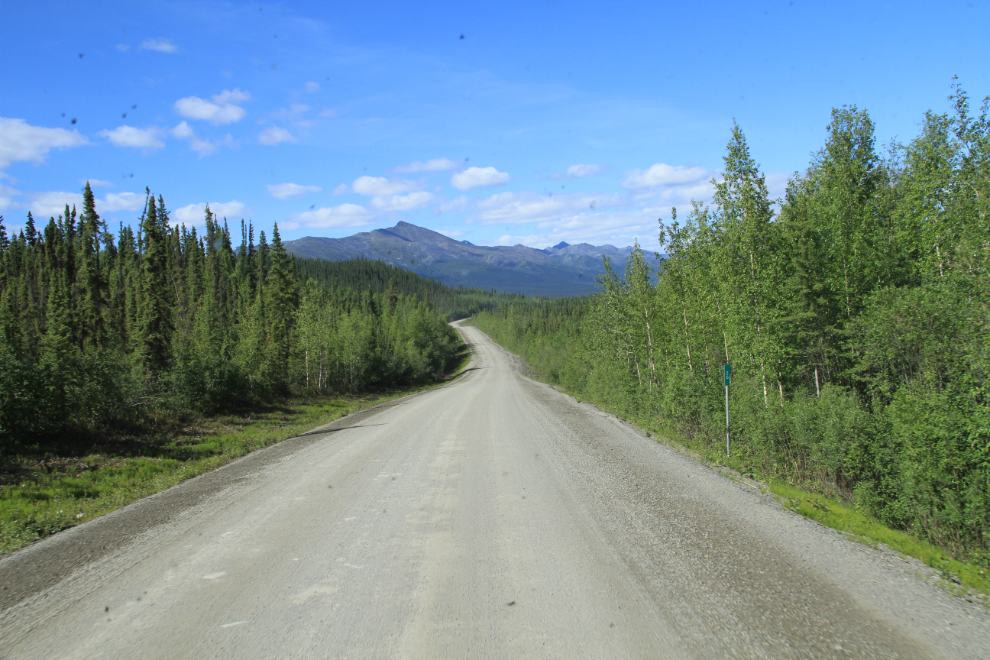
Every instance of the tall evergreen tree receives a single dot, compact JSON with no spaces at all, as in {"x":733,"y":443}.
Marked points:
{"x":154,"y":322}
{"x":91,"y":275}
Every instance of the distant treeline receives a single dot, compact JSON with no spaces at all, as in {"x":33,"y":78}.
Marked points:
{"x":855,"y":315}
{"x":377,"y":276}
{"x":100,"y":332}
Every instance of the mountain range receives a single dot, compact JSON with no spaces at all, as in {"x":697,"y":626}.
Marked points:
{"x":558,"y":271}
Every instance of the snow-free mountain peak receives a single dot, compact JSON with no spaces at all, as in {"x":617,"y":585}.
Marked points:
{"x":564,"y":270}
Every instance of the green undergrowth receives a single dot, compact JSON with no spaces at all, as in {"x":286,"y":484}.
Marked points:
{"x":835,"y":512}
{"x":839,"y":515}
{"x":42,"y":493}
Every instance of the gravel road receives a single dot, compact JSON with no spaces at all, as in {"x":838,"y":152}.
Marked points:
{"x":491,"y":518}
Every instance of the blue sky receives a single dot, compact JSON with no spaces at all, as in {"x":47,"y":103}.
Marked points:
{"x":547,"y":121}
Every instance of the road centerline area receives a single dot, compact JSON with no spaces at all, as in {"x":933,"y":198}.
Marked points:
{"x":494,"y":518}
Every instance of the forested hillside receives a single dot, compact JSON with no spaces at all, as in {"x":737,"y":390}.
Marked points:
{"x":380,"y":277}
{"x":561,"y":270}
{"x":854,"y":314}
{"x":100,"y":331}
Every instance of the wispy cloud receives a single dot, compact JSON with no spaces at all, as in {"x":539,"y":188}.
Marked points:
{"x":408,"y":202}
{"x":126,"y":201}
{"x":137,"y":138}
{"x":289,"y":190}
{"x":7,"y":195}
{"x":274,"y":135}
{"x":159,"y":45}
{"x":345,"y":215}
{"x":378,"y":186}
{"x":662,"y":174}
{"x":97,"y":183}
{"x":474,"y":177}
{"x":223,"y":109}
{"x":577,"y":171}
{"x":432,"y":165}
{"x":184,"y":131}
{"x":525,"y":207}
{"x":19,"y":141}
{"x":50,"y":204}
{"x":294,"y":114}
{"x":195,"y":214}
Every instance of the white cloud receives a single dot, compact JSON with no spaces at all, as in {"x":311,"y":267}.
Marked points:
{"x":50,"y":204}
{"x":160,"y":45}
{"x":274,"y":135}
{"x":128,"y":136}
{"x":408,"y":202}
{"x":222,"y":110}
{"x":577,"y":171}
{"x":473,"y":177}
{"x":287,"y":190}
{"x":126,"y":201}
{"x":97,"y":183}
{"x":341,"y":189}
{"x":123,"y":48}
{"x":432,"y":165}
{"x":345,"y":215}
{"x":379,"y":186}
{"x":21,"y":141}
{"x":231,"y":96}
{"x":662,"y":174}
{"x":524,"y":207}
{"x":231,"y":209}
{"x":7,"y":195}
{"x":312,"y":86}
{"x":195,"y":214}
{"x":184,"y":131}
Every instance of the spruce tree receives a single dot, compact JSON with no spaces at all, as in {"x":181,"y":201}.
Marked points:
{"x":154,"y":331}
{"x":30,"y":233}
{"x":282,"y":296}
{"x":93,"y":295}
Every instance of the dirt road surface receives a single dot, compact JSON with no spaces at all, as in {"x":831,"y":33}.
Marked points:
{"x":491,"y":518}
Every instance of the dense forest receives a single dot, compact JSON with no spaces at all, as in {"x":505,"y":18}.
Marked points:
{"x":853,"y":312}
{"x":377,"y":276}
{"x":100,"y":331}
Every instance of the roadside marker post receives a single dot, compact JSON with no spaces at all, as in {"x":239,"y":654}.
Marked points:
{"x":728,"y":373}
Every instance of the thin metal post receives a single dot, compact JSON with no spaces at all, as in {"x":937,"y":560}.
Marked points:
{"x":727,"y":452}
{"x":728,"y":372}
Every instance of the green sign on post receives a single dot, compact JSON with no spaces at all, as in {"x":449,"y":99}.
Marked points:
{"x":728,"y":372}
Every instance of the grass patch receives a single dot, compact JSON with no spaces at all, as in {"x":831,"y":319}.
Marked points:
{"x":44,"y":492}
{"x":838,"y":515}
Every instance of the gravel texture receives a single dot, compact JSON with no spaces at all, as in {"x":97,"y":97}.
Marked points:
{"x":493,"y":517}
